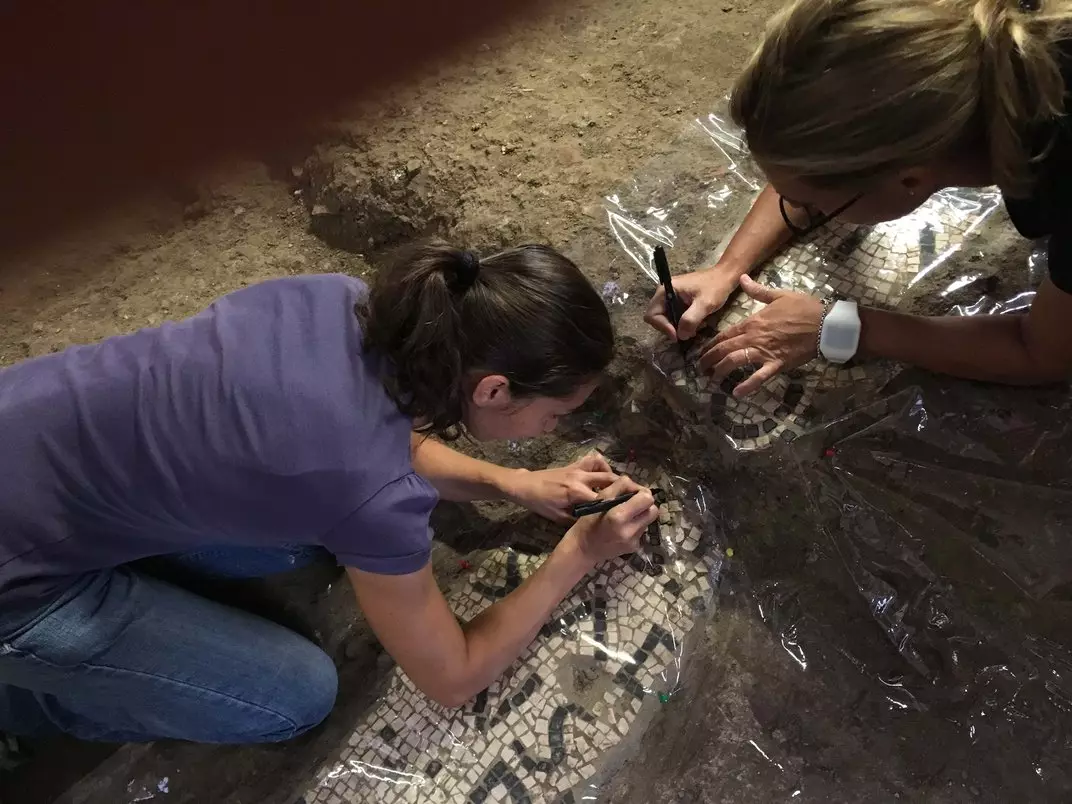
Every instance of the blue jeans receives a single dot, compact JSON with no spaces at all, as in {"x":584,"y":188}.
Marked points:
{"x":125,"y":657}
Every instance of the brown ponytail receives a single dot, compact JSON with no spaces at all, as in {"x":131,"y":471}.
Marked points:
{"x":840,"y":90}
{"x":441,"y":313}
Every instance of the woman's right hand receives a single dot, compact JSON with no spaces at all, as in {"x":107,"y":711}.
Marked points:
{"x":758,"y":238}
{"x":451,"y":663}
{"x":704,"y":292}
{"x":604,"y":536}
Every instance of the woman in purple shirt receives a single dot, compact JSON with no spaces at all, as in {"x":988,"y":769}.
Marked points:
{"x":292,"y":413}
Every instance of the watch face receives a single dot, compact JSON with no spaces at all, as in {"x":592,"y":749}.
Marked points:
{"x":840,"y":337}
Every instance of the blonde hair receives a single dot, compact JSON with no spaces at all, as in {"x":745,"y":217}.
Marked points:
{"x":842,"y":89}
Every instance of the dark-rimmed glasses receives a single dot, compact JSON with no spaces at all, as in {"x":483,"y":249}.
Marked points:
{"x":816,"y":220}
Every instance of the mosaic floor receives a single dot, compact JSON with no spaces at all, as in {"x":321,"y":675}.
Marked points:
{"x":872,"y":265}
{"x":540,"y":732}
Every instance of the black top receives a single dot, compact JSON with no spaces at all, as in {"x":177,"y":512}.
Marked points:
{"x":1049,"y":209}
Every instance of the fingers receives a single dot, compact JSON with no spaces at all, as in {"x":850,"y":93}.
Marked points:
{"x":630,"y":531}
{"x":580,"y":493}
{"x":621,"y":485}
{"x":719,"y":352}
{"x":560,"y":517}
{"x":586,"y":486}
{"x":753,"y":383}
{"x":692,"y":319}
{"x":730,"y":363}
{"x":594,"y":462}
{"x":731,"y":332}
{"x":637,"y":508}
{"x":761,"y":293}
{"x":623,"y":525}
{"x":731,"y":355}
{"x":597,"y":480}
{"x":655,"y":315}
{"x":688,"y":290}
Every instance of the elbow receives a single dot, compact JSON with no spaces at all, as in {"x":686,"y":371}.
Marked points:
{"x":450,"y":699}
{"x":1049,"y":372}
{"x":449,"y":696}
{"x":450,"y":689}
{"x":1043,"y":378}
{"x":1041,"y":372}
{"x":1042,"y":362}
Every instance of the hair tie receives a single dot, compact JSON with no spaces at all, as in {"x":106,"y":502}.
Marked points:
{"x":468,"y":270}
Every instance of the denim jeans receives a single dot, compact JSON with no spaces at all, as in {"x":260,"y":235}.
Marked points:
{"x":126,"y":657}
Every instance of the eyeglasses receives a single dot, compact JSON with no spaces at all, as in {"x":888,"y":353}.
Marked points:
{"x":816,"y":220}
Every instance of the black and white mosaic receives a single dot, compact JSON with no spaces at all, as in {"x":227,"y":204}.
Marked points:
{"x":872,"y":265}
{"x":541,"y":732}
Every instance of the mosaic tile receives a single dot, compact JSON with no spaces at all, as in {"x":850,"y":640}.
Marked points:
{"x":870,"y":264}
{"x":527,"y":738}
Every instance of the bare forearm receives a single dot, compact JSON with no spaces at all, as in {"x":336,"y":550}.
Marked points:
{"x":452,"y":662}
{"x":990,"y":348}
{"x":498,"y":635}
{"x":760,"y":236}
{"x":458,"y":477}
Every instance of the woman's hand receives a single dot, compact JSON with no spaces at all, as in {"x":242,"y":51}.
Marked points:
{"x":601,"y":537}
{"x":704,"y":293}
{"x":450,"y":662}
{"x":552,"y":493}
{"x":781,"y":336}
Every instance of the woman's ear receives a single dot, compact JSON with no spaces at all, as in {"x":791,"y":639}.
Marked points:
{"x":493,"y":392}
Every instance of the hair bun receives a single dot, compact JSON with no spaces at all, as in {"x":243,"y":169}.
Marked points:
{"x":466,"y":271}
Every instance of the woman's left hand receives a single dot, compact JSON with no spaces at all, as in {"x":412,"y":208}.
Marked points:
{"x":781,"y":336}
{"x":552,"y":493}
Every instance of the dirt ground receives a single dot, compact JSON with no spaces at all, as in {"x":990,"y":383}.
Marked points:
{"x":518,"y":141}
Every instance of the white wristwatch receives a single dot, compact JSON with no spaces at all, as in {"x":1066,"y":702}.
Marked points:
{"x":839,"y":336}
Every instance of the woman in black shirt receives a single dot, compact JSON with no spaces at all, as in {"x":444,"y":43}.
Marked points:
{"x":861,"y":109}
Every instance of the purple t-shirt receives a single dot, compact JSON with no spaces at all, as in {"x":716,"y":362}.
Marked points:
{"x":260,"y":421}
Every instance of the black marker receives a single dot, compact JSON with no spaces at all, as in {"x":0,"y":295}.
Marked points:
{"x":673,"y":303}
{"x":602,"y":506}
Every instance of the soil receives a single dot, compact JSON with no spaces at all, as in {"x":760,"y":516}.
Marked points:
{"x":523,"y":140}
{"x":518,"y":142}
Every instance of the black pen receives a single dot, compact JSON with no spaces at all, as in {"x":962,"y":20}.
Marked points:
{"x":673,"y":303}
{"x":602,"y":506}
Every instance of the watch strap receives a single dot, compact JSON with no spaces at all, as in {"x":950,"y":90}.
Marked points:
{"x":828,"y":304}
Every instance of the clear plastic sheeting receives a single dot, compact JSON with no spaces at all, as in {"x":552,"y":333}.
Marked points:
{"x":148,"y":789}
{"x":709,"y":172}
{"x":873,"y":264}
{"x":613,"y":294}
{"x":927,"y":546}
{"x":904,"y":536}
{"x":947,"y":511}
{"x":987,"y":301}
{"x":610,"y":654}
